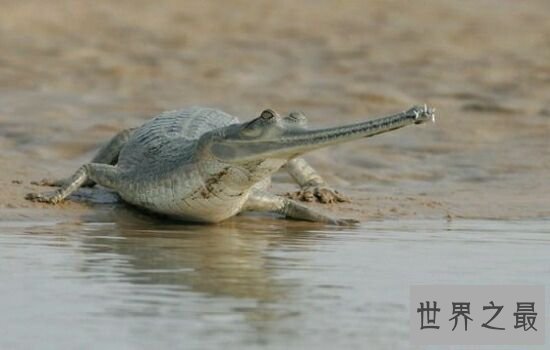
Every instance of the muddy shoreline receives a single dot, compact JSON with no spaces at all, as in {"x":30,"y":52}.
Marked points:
{"x":74,"y":73}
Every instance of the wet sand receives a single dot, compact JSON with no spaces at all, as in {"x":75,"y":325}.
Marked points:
{"x":72,"y":73}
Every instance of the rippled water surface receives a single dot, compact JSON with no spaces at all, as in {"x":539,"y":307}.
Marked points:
{"x":119,"y":281}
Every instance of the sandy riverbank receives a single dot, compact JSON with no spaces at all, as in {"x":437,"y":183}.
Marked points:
{"x":72,"y":73}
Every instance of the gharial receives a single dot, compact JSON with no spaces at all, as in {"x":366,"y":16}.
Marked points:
{"x":202,"y":165}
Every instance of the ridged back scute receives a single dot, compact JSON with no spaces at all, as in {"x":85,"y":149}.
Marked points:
{"x":170,"y":138}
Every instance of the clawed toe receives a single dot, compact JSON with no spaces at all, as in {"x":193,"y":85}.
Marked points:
{"x":48,"y":197}
{"x":306,"y":196}
{"x":318,"y":194}
{"x":327,"y":195}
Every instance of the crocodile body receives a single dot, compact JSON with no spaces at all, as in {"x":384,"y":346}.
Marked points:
{"x":159,"y":169}
{"x":203,"y":165}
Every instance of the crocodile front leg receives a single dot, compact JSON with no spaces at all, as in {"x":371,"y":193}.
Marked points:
{"x":108,"y":154}
{"x":102,"y":174}
{"x":312,"y":186}
{"x":267,"y":202}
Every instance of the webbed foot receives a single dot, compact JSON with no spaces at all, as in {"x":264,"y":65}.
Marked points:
{"x":321,"y":194}
{"x":51,"y":197}
{"x":88,"y":173}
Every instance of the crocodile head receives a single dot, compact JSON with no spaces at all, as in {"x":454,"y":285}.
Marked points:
{"x":271,"y":136}
{"x":258,"y":139}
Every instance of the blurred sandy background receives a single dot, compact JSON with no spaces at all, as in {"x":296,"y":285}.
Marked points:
{"x":72,"y":73}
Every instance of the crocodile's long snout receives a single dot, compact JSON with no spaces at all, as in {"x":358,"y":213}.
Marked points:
{"x":296,"y":142}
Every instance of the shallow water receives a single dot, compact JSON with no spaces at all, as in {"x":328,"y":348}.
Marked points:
{"x":116,"y":280}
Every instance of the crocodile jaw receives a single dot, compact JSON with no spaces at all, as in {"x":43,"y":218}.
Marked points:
{"x":294,"y":142}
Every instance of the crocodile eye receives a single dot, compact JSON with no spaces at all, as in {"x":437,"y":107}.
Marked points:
{"x":259,"y":125}
{"x":297,"y":119}
{"x":268,"y":115}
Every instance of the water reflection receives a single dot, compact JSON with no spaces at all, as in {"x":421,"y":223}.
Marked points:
{"x":136,"y":281}
{"x":237,"y":259}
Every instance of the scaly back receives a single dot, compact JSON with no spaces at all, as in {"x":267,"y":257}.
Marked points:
{"x":169,"y":139}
